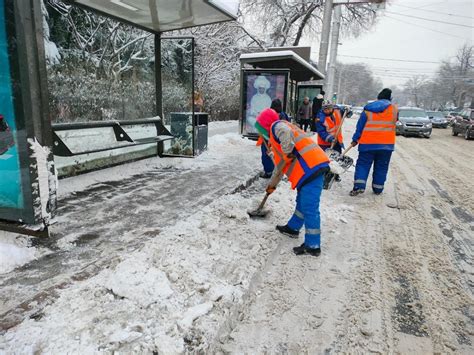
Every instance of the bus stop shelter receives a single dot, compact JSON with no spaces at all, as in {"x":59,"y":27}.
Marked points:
{"x":27,"y":171}
{"x":269,"y":75}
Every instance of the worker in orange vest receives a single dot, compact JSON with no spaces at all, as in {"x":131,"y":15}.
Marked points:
{"x":327,"y":124}
{"x":375,"y":135}
{"x":297,"y":155}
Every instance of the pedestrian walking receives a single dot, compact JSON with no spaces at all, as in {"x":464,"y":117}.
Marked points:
{"x":375,"y":135}
{"x":304,"y":114}
{"x":304,"y":163}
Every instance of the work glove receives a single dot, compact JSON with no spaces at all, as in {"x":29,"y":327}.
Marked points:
{"x":330,"y":139}
{"x":290,"y":156}
{"x":270,"y":189}
{"x":353,"y":144}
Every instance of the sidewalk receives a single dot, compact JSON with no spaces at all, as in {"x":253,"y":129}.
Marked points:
{"x":112,"y":212}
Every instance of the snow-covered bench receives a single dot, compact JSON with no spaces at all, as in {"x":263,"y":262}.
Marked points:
{"x":70,"y":139}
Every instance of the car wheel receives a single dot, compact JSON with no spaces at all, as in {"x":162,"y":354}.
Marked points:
{"x":466,"y":135}
{"x":454,"y":132}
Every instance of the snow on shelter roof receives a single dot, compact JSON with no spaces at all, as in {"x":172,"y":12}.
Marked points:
{"x":164,"y":15}
{"x":300,"y":69}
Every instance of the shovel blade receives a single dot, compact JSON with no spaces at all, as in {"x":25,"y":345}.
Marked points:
{"x":345,"y":162}
{"x":258,"y":213}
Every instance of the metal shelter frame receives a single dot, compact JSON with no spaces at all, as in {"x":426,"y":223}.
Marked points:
{"x":24,"y":27}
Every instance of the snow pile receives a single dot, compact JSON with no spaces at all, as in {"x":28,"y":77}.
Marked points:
{"x":136,"y":280}
{"x":171,"y":296}
{"x":46,"y":184}
{"x":14,"y":252}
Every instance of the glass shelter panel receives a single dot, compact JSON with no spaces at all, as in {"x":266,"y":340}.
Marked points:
{"x":109,"y":77}
{"x":177,"y":91}
{"x":307,"y":90}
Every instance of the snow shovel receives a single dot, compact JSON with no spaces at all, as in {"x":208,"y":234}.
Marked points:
{"x":260,"y":212}
{"x":331,"y":152}
{"x":343,"y":161}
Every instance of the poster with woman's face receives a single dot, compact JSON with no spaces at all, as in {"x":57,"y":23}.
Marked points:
{"x":10,"y":178}
{"x":259,"y":91}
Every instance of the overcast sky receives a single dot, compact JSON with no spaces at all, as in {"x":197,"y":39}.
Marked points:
{"x":407,"y":38}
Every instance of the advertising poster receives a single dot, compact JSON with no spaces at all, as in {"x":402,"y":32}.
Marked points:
{"x":11,"y":196}
{"x":260,"y":88}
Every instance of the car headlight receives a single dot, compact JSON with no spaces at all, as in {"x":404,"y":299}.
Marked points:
{"x":428,"y":125}
{"x":399,"y":123}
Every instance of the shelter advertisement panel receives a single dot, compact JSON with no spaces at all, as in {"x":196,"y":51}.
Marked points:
{"x":15,"y":188}
{"x":11,"y":196}
{"x":259,"y":89}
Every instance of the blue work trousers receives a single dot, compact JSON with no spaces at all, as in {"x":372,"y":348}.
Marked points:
{"x":267,"y":162}
{"x":381,"y":161}
{"x":307,"y":212}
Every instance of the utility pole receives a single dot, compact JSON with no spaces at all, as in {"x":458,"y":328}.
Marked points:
{"x":324,"y":45}
{"x":340,"y":83}
{"x":331,"y":75}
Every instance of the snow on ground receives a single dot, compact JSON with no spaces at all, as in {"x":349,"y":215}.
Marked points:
{"x":395,"y":274}
{"x":15,"y":251}
{"x":172,"y":294}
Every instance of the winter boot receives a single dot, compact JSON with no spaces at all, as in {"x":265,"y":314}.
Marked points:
{"x":265,"y":175}
{"x":303,"y":249}
{"x":288,"y":231}
{"x":356,"y":192}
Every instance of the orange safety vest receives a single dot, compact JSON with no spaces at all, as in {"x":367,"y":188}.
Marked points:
{"x":380,"y":127}
{"x":332,"y":128}
{"x":309,"y":156}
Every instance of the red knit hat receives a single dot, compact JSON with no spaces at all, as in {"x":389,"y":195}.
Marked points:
{"x":267,"y":117}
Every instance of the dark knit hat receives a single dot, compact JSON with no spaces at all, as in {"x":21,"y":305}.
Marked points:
{"x":385,"y":94}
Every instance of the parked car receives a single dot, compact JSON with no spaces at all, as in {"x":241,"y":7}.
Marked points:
{"x":464,"y":124}
{"x":450,"y":116}
{"x":437,"y":119}
{"x":413,"y":121}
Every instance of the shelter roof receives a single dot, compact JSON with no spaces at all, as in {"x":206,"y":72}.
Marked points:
{"x":300,"y":69}
{"x":164,"y":15}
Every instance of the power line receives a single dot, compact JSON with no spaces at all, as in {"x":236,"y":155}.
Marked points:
{"x":427,"y":19}
{"x":435,"y":12}
{"x":426,"y":28}
{"x":390,"y":59}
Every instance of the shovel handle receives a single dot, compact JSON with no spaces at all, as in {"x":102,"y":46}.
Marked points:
{"x":338,"y":130}
{"x":346,"y":150}
{"x":263,"y":202}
